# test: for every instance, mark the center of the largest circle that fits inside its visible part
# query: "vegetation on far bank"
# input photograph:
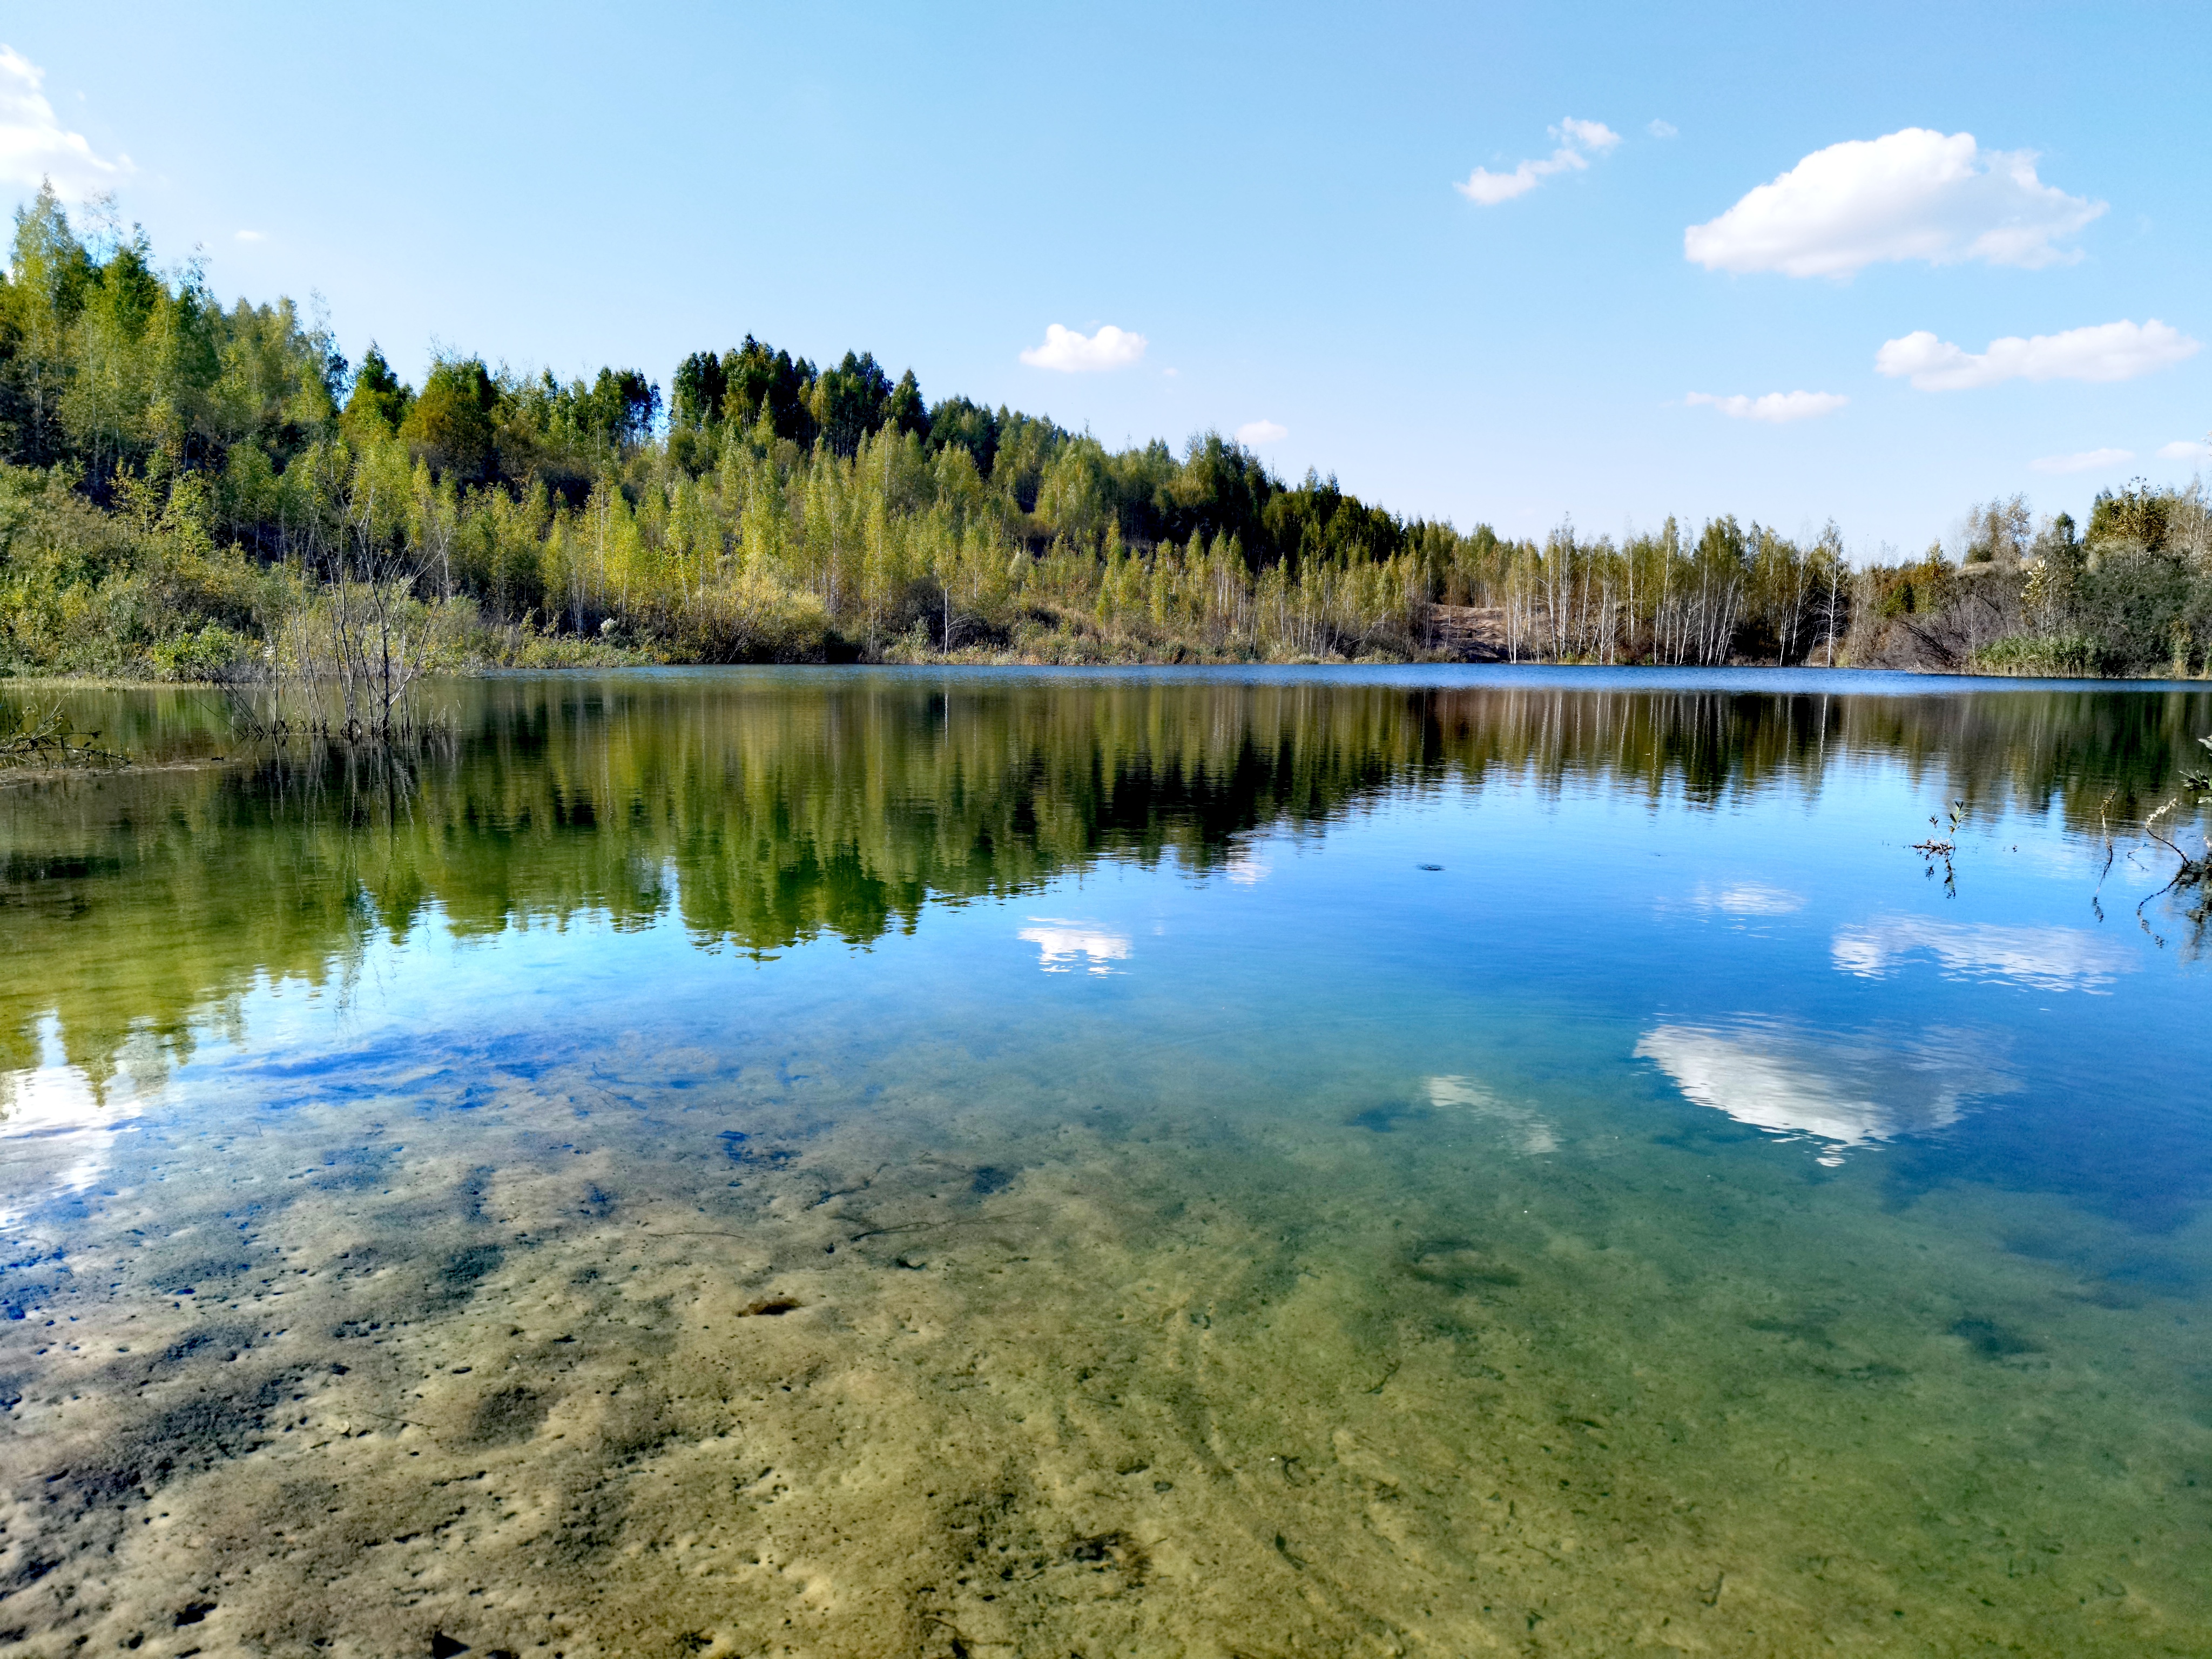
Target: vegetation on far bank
(192, 491)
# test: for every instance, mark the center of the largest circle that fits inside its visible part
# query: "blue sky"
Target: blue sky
(1266, 196)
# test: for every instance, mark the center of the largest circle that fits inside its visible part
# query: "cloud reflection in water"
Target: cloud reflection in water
(1246, 867)
(1062, 943)
(56, 1130)
(1844, 1090)
(1528, 1132)
(2044, 958)
(1747, 898)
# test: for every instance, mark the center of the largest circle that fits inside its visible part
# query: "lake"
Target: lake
(1279, 1163)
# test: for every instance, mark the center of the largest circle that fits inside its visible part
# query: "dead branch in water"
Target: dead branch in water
(29, 737)
(2192, 874)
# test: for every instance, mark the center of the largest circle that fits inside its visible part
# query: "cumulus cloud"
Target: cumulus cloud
(2083, 460)
(1071, 353)
(2107, 351)
(1588, 135)
(1777, 407)
(1577, 141)
(1911, 195)
(34, 145)
(251, 236)
(2184, 449)
(1662, 128)
(1255, 433)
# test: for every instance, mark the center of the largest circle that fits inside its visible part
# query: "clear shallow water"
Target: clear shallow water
(856, 1161)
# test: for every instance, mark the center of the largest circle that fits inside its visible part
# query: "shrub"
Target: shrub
(2064, 656)
(212, 653)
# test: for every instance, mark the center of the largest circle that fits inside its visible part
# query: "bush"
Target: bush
(2134, 603)
(753, 619)
(212, 653)
(123, 593)
(2066, 656)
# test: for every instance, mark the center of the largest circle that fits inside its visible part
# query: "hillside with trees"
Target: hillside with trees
(193, 491)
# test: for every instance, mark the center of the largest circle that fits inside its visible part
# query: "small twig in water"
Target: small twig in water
(1932, 849)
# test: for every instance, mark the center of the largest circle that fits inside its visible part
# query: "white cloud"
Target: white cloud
(1586, 134)
(1577, 140)
(252, 236)
(2184, 449)
(34, 145)
(2107, 351)
(2083, 460)
(1662, 128)
(1910, 195)
(1071, 353)
(2042, 958)
(1777, 407)
(1255, 433)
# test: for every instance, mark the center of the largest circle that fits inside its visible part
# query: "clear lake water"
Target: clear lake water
(1286, 1162)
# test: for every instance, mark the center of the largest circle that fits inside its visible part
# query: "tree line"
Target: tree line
(196, 490)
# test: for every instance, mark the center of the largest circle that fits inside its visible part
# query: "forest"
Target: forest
(191, 491)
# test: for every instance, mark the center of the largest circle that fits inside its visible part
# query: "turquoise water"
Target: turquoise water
(856, 1161)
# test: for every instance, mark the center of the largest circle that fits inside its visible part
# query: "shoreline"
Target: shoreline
(961, 660)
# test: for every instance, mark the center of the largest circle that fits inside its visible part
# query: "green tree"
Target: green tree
(696, 390)
(850, 402)
(379, 401)
(450, 424)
